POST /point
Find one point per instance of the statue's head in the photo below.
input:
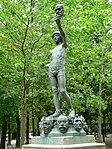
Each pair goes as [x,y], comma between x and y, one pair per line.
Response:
[59,9]
[62,122]
[56,36]
[78,125]
[47,126]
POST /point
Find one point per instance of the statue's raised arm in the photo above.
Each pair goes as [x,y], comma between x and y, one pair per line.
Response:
[59,10]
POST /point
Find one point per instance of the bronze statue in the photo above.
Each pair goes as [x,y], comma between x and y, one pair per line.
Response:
[56,65]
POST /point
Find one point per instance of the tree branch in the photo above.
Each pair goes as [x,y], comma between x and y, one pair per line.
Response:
[36,42]
[25,35]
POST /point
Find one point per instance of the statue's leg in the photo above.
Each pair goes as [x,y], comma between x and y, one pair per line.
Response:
[54,85]
[62,87]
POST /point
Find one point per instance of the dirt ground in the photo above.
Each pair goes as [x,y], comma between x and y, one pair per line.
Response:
[108,142]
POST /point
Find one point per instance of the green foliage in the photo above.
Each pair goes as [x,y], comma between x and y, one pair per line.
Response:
[25,38]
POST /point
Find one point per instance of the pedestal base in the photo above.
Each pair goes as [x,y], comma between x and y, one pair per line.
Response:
[57,134]
[71,146]
[63,140]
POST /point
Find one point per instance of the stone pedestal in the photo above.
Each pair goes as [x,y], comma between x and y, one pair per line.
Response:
[63,133]
[64,142]
[71,146]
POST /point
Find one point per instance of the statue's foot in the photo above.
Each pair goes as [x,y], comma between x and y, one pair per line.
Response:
[56,114]
[72,113]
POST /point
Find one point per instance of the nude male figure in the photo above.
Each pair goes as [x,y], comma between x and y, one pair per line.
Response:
[56,65]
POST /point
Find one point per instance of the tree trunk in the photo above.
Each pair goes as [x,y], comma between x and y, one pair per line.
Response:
[9,133]
[104,126]
[23,121]
[38,131]
[99,106]
[101,90]
[39,119]
[27,129]
[110,122]
[3,135]
[33,124]
[99,123]
[23,106]
[25,71]
[18,132]
[91,131]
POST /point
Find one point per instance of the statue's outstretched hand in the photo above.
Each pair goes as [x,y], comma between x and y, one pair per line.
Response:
[59,15]
[42,65]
